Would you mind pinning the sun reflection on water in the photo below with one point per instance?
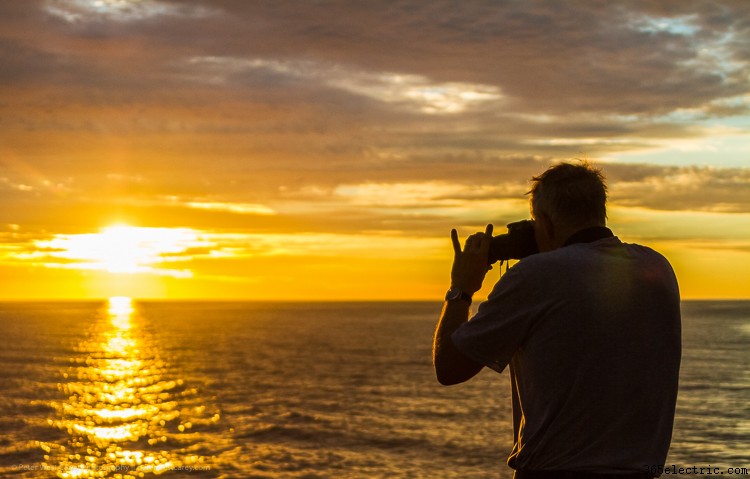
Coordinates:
(121, 415)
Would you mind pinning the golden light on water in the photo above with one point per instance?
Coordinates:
(121, 409)
(120, 307)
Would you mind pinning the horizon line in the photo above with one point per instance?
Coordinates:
(301, 300)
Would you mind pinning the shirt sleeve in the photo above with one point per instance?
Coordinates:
(494, 334)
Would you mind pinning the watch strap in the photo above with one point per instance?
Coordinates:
(455, 294)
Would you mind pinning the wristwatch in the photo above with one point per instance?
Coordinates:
(455, 293)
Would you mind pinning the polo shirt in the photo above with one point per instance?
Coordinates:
(592, 333)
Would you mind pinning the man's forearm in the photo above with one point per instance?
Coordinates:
(451, 366)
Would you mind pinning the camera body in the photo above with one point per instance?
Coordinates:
(519, 242)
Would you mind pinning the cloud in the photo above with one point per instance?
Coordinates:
(424, 194)
(398, 115)
(82, 11)
(725, 190)
(544, 59)
(406, 90)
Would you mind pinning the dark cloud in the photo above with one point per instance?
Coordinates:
(593, 56)
(263, 102)
(680, 188)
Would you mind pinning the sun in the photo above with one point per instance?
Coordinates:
(125, 249)
(120, 249)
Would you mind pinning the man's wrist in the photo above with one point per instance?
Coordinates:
(458, 294)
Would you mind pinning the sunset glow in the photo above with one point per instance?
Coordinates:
(161, 149)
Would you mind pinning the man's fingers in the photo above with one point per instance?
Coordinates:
(456, 243)
(486, 238)
(477, 241)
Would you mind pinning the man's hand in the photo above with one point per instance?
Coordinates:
(470, 266)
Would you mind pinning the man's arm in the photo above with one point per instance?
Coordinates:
(467, 274)
(451, 366)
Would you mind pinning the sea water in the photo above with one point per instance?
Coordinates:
(129, 389)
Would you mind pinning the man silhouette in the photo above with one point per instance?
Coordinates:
(590, 327)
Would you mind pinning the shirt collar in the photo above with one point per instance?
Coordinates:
(589, 235)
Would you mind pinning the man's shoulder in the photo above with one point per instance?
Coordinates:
(598, 252)
(646, 252)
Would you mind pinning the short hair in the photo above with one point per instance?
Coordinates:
(575, 194)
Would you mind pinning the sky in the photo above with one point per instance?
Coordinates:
(323, 150)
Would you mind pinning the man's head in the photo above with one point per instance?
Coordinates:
(567, 198)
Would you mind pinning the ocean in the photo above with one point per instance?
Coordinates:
(198, 390)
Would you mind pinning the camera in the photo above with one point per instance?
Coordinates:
(517, 243)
